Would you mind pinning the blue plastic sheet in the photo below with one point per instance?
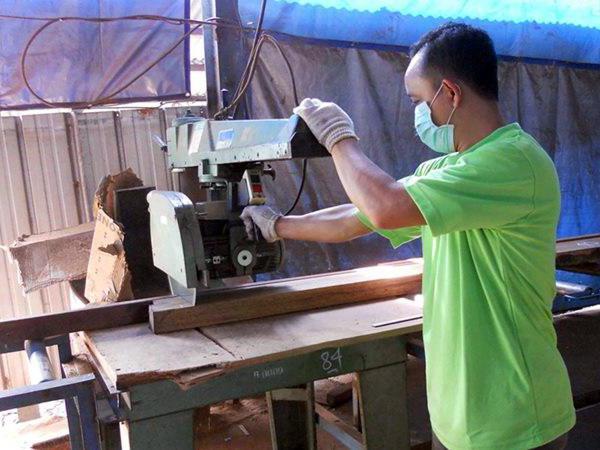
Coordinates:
(560, 30)
(79, 61)
(557, 104)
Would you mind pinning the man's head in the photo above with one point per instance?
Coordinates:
(456, 65)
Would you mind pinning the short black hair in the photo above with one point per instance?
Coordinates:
(462, 51)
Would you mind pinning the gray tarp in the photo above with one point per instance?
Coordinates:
(557, 104)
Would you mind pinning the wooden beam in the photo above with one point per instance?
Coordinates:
(15, 331)
(256, 299)
(219, 303)
(579, 254)
(48, 258)
(286, 296)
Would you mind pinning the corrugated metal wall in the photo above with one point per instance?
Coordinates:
(50, 165)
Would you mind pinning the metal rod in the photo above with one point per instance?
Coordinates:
(87, 413)
(566, 288)
(80, 172)
(74, 425)
(394, 321)
(40, 393)
(40, 369)
(211, 60)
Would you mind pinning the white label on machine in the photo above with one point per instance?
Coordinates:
(225, 139)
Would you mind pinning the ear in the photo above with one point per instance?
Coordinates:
(453, 92)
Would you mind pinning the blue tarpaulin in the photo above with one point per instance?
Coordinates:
(80, 61)
(560, 30)
(557, 103)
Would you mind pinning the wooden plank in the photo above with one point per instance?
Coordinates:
(101, 316)
(108, 278)
(133, 354)
(277, 337)
(334, 420)
(579, 254)
(578, 244)
(48, 258)
(288, 296)
(14, 332)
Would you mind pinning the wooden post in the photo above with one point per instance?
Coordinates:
(292, 418)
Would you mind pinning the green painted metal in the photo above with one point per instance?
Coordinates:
(384, 412)
(194, 142)
(176, 240)
(171, 432)
(164, 397)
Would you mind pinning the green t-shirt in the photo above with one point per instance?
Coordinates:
(495, 379)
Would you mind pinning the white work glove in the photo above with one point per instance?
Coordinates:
(328, 122)
(264, 218)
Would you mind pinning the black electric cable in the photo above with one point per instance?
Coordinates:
(248, 71)
(300, 188)
(213, 21)
(244, 83)
(274, 42)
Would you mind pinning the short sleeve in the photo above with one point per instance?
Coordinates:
(397, 237)
(484, 189)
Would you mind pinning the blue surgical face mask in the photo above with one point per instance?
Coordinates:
(437, 138)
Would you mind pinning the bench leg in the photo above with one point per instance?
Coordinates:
(383, 409)
(292, 418)
(172, 431)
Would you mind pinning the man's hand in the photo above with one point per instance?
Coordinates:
(327, 121)
(264, 218)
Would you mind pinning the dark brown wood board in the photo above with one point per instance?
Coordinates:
(289, 295)
(93, 317)
(579, 254)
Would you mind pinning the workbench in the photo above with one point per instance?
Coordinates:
(160, 380)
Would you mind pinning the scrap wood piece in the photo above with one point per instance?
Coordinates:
(104, 198)
(48, 258)
(108, 276)
(272, 298)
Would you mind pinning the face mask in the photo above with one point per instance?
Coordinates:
(439, 139)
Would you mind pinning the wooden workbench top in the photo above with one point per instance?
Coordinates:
(134, 355)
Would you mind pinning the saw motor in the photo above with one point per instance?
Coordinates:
(199, 243)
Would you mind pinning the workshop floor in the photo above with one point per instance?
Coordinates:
(245, 424)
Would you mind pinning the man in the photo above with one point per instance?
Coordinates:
(487, 213)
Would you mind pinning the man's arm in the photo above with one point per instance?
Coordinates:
(336, 224)
(381, 198)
